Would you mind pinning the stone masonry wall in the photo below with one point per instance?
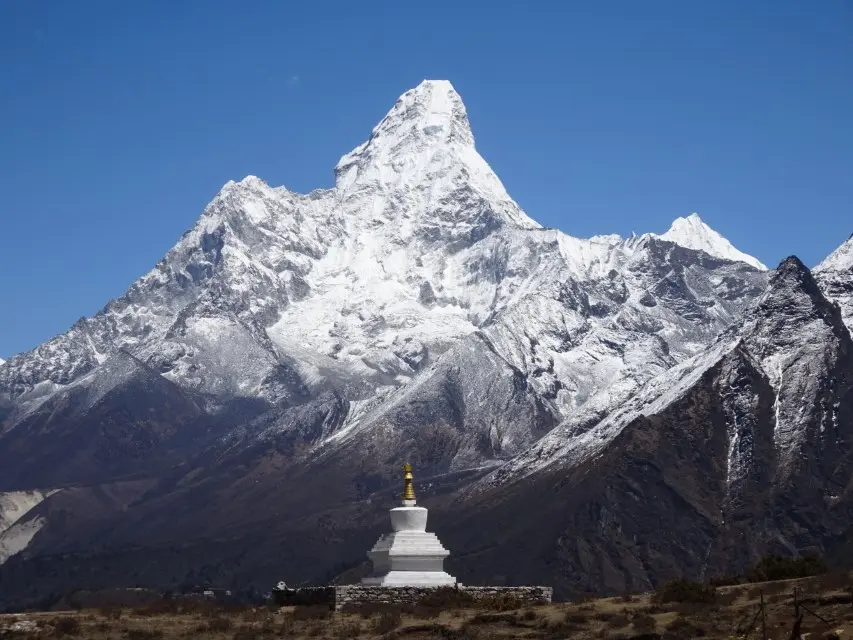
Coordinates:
(305, 596)
(356, 594)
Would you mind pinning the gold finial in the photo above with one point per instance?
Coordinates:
(408, 489)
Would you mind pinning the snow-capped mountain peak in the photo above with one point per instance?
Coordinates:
(423, 119)
(420, 155)
(432, 110)
(693, 233)
(833, 274)
(839, 260)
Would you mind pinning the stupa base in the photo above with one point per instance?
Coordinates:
(411, 579)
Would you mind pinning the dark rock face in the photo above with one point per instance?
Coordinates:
(122, 419)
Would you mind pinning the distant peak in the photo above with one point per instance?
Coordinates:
(693, 222)
(791, 266)
(839, 260)
(791, 280)
(252, 181)
(692, 232)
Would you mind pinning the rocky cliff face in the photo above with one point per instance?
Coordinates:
(263, 382)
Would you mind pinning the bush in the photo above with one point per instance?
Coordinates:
(644, 623)
(348, 630)
(685, 591)
(786, 568)
(387, 622)
(682, 629)
(249, 633)
(425, 613)
(312, 612)
(66, 626)
(575, 617)
(493, 618)
(499, 602)
(111, 612)
(219, 624)
(615, 620)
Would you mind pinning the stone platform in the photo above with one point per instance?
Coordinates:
(355, 595)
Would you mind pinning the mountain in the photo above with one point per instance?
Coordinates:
(239, 415)
(692, 233)
(742, 451)
(273, 298)
(835, 275)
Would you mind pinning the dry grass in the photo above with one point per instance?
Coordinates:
(637, 616)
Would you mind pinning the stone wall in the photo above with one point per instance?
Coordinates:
(533, 595)
(355, 595)
(305, 596)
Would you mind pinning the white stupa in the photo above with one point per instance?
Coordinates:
(408, 556)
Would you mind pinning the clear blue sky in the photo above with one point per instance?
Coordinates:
(119, 121)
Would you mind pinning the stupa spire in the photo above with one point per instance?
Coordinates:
(408, 488)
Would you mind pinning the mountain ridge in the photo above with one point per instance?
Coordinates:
(292, 350)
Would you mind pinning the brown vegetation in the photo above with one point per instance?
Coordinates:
(678, 611)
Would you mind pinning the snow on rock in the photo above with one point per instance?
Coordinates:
(569, 446)
(362, 288)
(839, 260)
(17, 537)
(792, 334)
(835, 277)
(14, 505)
(693, 233)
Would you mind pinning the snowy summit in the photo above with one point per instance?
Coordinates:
(693, 233)
(839, 260)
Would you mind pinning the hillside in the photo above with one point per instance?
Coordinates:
(825, 604)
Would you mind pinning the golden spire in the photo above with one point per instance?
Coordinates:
(408, 489)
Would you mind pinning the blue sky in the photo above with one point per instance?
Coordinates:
(119, 121)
